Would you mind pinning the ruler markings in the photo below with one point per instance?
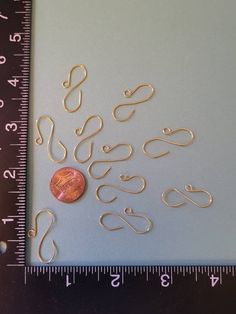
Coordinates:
(23, 108)
(25, 275)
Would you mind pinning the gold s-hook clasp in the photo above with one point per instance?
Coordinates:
(107, 149)
(39, 139)
(169, 132)
(123, 178)
(128, 212)
(32, 233)
(80, 131)
(188, 188)
(129, 93)
(67, 84)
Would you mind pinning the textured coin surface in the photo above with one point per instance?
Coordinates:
(67, 184)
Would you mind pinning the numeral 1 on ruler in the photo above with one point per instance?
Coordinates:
(6, 220)
(68, 283)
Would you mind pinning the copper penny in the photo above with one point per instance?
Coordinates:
(67, 184)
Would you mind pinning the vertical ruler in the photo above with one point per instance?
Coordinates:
(72, 289)
(15, 30)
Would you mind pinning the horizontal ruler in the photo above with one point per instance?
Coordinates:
(118, 289)
(165, 275)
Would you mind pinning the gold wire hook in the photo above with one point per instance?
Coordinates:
(32, 233)
(107, 149)
(169, 132)
(188, 188)
(128, 93)
(80, 131)
(123, 178)
(67, 84)
(39, 139)
(129, 212)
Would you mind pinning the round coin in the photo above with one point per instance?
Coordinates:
(67, 184)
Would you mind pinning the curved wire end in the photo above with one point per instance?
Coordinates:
(50, 156)
(168, 132)
(164, 198)
(82, 161)
(109, 213)
(108, 149)
(38, 141)
(188, 188)
(128, 212)
(79, 131)
(89, 170)
(150, 155)
(191, 189)
(66, 108)
(128, 93)
(52, 259)
(31, 233)
(98, 196)
(67, 84)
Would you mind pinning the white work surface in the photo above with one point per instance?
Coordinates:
(187, 50)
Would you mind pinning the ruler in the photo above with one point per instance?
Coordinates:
(72, 289)
(15, 25)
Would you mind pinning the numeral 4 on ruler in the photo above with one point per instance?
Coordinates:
(214, 280)
(13, 82)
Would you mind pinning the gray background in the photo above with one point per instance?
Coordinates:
(186, 49)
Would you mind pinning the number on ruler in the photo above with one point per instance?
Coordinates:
(5, 220)
(16, 37)
(9, 174)
(115, 282)
(11, 127)
(68, 283)
(165, 280)
(2, 59)
(1, 103)
(3, 17)
(13, 82)
(214, 280)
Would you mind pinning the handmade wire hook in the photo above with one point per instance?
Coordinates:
(129, 93)
(67, 84)
(32, 233)
(188, 188)
(123, 178)
(80, 131)
(39, 139)
(107, 149)
(129, 212)
(169, 132)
